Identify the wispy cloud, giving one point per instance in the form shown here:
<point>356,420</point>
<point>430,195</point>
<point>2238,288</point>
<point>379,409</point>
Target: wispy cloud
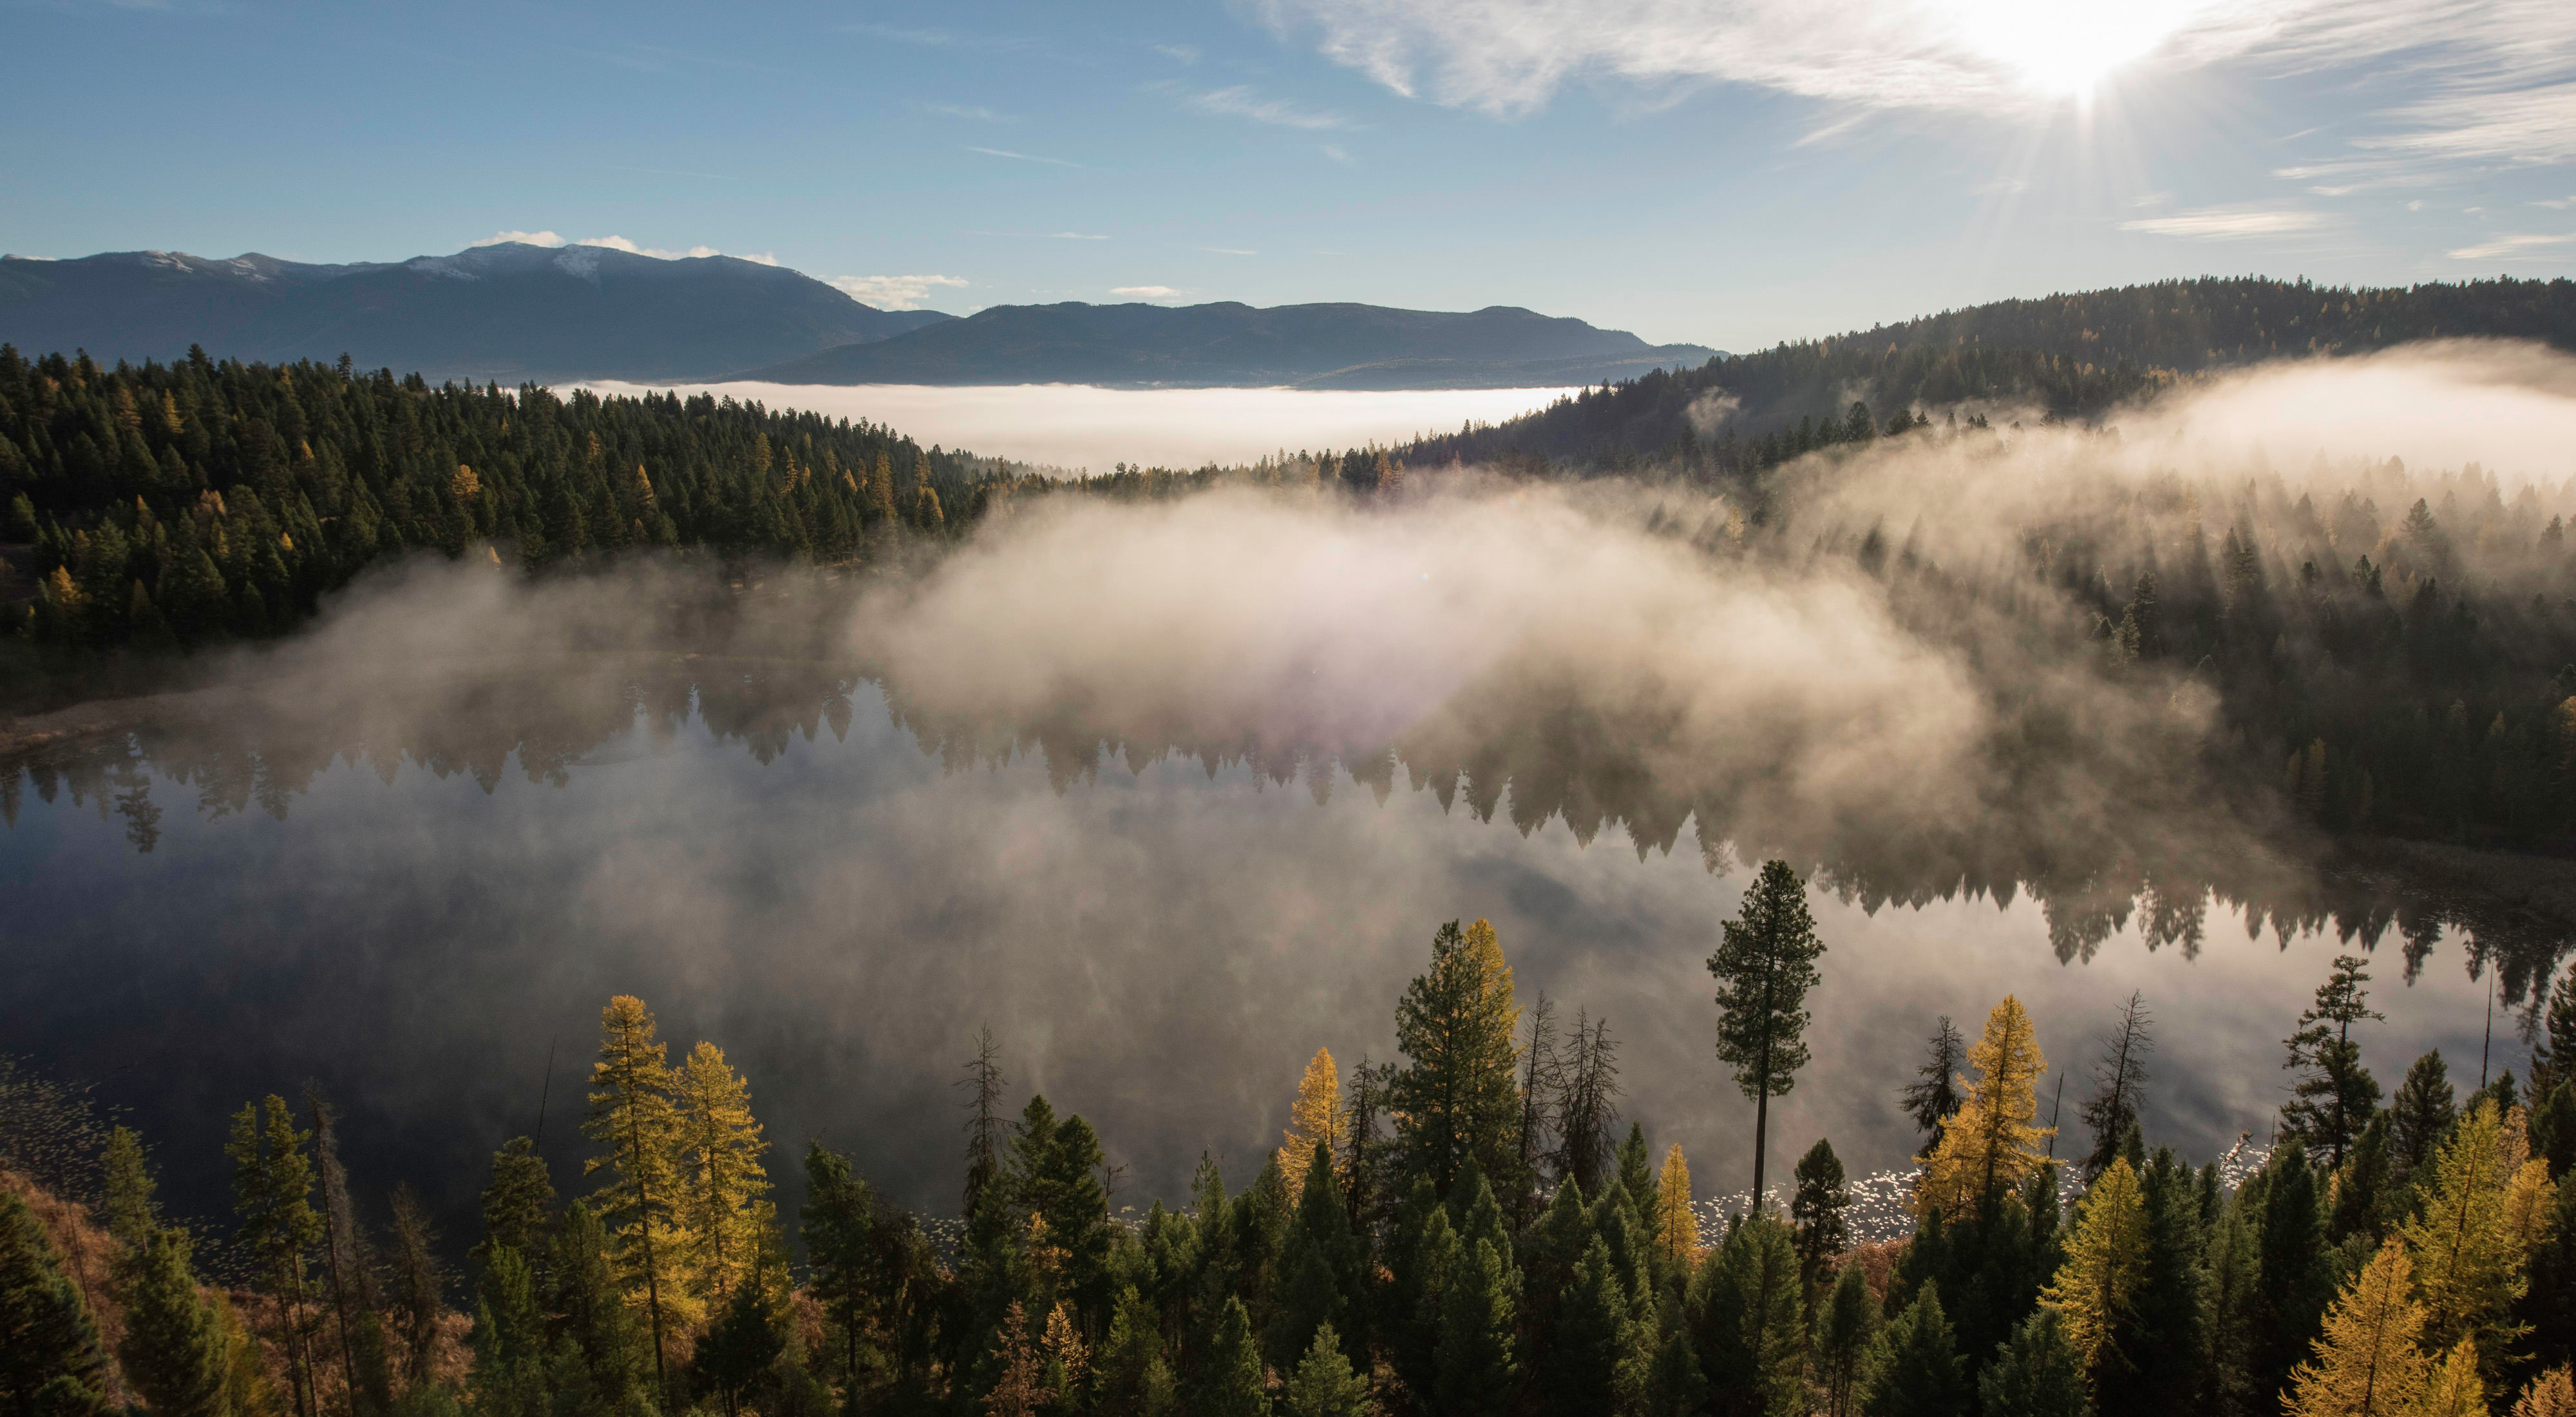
<point>965,110</point>
<point>1334,151</point>
<point>2510,247</point>
<point>1228,251</point>
<point>2556,204</point>
<point>893,292</point>
<point>1143,292</point>
<point>1075,236</point>
<point>2220,224</point>
<point>1023,157</point>
<point>1185,53</point>
<point>1244,101</point>
<point>523,238</point>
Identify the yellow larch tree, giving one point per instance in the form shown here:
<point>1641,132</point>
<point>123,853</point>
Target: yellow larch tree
<point>2453,1389</point>
<point>1994,1141</point>
<point>633,1121</point>
<point>724,1208</point>
<point>2368,1361</point>
<point>1676,1225</point>
<point>2106,1262</point>
<point>1316,1117</point>
<point>2552,1394</point>
<point>2469,1268</point>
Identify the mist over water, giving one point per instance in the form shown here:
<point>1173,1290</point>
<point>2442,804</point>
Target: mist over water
<point>1079,427</point>
<point>1172,794</point>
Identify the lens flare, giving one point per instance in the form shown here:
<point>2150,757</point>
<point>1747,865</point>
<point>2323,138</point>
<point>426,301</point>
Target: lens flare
<point>2064,49</point>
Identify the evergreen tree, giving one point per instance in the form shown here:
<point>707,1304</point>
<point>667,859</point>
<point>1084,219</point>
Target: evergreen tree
<point>984,1125</point>
<point>1586,1108</point>
<point>1422,1252</point>
<point>2335,1095</point>
<point>2420,1113</point>
<point>2039,1373</point>
<point>1457,1099</point>
<point>2294,1281</point>
<point>2119,1076</point>
<point>1931,1100</point>
<point>50,1359</point>
<point>838,1223</point>
<point>1230,1380</point>
<point>518,1203</point>
<point>2466,1261</point>
<point>1817,1211</point>
<point>2233,1276</point>
<point>272,1192</point>
<point>419,1284</point>
<point>748,1336</point>
<point>175,1354</point>
<point>1323,1385</point>
<point>633,1121</point>
<point>126,1192</point>
<point>1675,1230</point>
<point>1756,1368</point>
<point>605,1351</point>
<point>510,1351</point>
<point>1321,1279</point>
<point>1845,1330</point>
<point>1479,1310</point>
<point>1641,1190</point>
<point>1596,1356</point>
<point>1764,965</point>
<point>1915,1369</point>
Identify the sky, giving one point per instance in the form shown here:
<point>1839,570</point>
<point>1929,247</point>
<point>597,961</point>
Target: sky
<point>1725,172</point>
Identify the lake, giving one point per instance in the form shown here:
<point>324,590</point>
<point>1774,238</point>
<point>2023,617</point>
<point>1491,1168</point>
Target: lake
<point>416,893</point>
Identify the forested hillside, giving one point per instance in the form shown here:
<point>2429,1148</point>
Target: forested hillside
<point>1468,1229</point>
<point>189,501</point>
<point>2069,356</point>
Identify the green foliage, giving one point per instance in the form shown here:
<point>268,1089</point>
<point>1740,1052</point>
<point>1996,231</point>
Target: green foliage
<point>1230,1381</point>
<point>2038,1374</point>
<point>1321,1280</point>
<point>1914,1369</point>
<point>518,1203</point>
<point>1597,1350</point>
<point>1477,1366</point>
<point>1846,1329</point>
<point>2335,1095</point>
<point>50,1359</point>
<point>175,1354</point>
<point>1323,1383</point>
<point>1816,1209</point>
<point>1765,963</point>
<point>1456,1101</point>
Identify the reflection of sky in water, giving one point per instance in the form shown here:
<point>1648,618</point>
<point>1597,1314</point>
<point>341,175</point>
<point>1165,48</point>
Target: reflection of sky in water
<point>1160,952</point>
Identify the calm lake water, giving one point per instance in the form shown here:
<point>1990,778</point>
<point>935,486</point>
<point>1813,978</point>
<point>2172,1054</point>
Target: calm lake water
<point>415,909</point>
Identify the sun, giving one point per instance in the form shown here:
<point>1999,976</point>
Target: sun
<point>2063,48</point>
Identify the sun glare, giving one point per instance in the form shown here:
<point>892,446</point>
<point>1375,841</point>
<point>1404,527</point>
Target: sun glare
<point>2064,49</point>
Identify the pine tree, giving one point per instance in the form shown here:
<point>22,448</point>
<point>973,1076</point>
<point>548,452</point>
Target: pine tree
<point>838,1223</point>
<point>1230,1380</point>
<point>2293,1283</point>
<point>1321,1278</point>
<point>722,1208</point>
<point>175,1353</point>
<point>2369,1362</point>
<point>633,1120</point>
<point>2118,1077</point>
<point>509,1378</point>
<point>419,1282</point>
<point>1993,1142</point>
<point>1756,1369</point>
<point>49,1345</point>
<point>2106,1264</point>
<point>1817,1210</point>
<point>606,1352</point>
<point>2234,1269</point>
<point>1595,1359</point>
<point>126,1201</point>
<point>1915,1369</point>
<point>1323,1385</point>
<point>518,1204</point>
<point>272,1191</point>
<point>1479,1307</point>
<point>1764,965</point>
<point>1315,1119</point>
<point>2039,1373</point>
<point>748,1335</point>
<point>1586,1107</point>
<point>1457,1100</point>
<point>2335,1095</point>
<point>984,1125</point>
<point>1845,1331</point>
<point>2420,1113</point>
<point>1637,1184</point>
<point>348,1269</point>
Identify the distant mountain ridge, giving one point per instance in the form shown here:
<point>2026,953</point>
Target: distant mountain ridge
<point>1229,344</point>
<point>506,312</point>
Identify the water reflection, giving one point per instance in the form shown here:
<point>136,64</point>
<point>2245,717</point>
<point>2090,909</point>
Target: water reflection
<point>414,890</point>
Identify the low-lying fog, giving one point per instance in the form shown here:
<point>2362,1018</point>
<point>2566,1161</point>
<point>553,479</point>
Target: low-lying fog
<point>1077,427</point>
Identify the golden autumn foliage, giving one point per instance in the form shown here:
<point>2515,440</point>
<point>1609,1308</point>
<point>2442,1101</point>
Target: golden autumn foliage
<point>2369,1362</point>
<point>1994,1140</point>
<point>2552,1394</point>
<point>637,1128</point>
<point>722,1211</point>
<point>2454,1389</point>
<point>2468,1263</point>
<point>2106,1262</point>
<point>1317,1117</point>
<point>1676,1227</point>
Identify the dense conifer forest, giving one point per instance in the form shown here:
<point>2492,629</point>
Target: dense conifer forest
<point>1470,1227</point>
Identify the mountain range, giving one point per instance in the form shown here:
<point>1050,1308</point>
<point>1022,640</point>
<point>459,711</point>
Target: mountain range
<point>515,313</point>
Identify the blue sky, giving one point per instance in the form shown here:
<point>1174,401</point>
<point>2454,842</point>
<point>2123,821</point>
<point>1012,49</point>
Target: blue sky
<point>1730,172</point>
